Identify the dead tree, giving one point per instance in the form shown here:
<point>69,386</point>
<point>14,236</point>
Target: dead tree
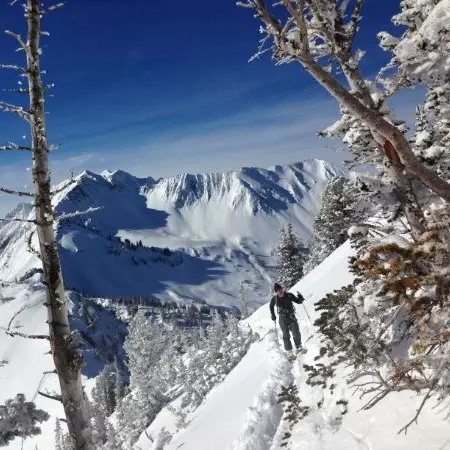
<point>66,353</point>
<point>308,31</point>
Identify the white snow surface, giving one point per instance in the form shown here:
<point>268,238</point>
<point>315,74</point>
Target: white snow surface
<point>28,359</point>
<point>242,413</point>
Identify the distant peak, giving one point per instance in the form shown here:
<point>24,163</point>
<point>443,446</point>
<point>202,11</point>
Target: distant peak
<point>252,189</point>
<point>120,177</point>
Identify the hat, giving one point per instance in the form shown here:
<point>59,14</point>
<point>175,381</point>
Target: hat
<point>277,287</point>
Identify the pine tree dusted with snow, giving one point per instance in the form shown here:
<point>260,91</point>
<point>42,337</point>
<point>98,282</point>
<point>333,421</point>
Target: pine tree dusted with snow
<point>145,346</point>
<point>63,441</point>
<point>399,300</point>
<point>19,418</point>
<point>292,255</point>
<point>104,391</point>
<point>336,216</point>
<point>433,129</point>
<point>166,362</point>
<point>420,54</point>
<point>206,364</point>
<point>103,403</point>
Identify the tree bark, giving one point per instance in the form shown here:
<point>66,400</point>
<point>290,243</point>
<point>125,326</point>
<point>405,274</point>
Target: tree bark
<point>380,126</point>
<point>67,357</point>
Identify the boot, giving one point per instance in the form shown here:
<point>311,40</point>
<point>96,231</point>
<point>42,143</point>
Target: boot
<point>300,350</point>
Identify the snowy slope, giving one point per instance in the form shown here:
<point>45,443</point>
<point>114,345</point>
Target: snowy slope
<point>27,359</point>
<point>243,414</point>
<point>221,230</point>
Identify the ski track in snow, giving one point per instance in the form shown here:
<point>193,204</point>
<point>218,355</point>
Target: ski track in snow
<point>264,416</point>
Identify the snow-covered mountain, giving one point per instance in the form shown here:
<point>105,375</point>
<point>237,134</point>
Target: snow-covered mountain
<point>203,237</point>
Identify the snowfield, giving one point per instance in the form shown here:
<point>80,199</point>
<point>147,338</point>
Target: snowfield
<point>28,359</point>
<point>242,413</point>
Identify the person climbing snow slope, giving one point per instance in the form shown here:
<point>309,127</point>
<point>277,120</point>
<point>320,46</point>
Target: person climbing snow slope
<point>284,300</point>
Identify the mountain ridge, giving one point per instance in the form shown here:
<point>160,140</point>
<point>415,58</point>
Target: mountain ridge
<point>220,231</point>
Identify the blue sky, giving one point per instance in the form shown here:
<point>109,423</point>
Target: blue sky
<point>158,88</point>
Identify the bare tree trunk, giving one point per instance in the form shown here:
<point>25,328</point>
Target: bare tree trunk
<point>66,355</point>
<point>380,126</point>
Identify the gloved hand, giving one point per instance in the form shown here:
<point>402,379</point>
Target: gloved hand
<point>273,317</point>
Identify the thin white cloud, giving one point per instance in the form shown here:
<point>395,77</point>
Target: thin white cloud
<point>281,134</point>
<point>284,133</point>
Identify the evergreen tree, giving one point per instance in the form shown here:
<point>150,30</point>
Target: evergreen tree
<point>120,387</point>
<point>166,362</point>
<point>433,129</point>
<point>336,216</point>
<point>103,392</point>
<point>19,418</point>
<point>421,52</point>
<point>292,255</point>
<point>112,443</point>
<point>63,441</point>
<point>145,346</point>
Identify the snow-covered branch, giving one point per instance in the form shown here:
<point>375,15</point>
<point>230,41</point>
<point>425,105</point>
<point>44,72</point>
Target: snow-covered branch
<point>63,187</point>
<point>19,193</point>
<point>290,45</point>
<point>18,220</point>
<point>53,396</point>
<point>13,67</point>
<point>354,23</point>
<point>14,146</point>
<point>23,91</point>
<point>18,110</point>
<point>11,333</point>
<point>18,38</point>
<point>78,213</point>
<point>419,410</point>
<point>27,336</point>
<point>52,8</point>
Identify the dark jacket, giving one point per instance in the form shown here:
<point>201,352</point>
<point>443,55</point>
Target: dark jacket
<point>284,304</point>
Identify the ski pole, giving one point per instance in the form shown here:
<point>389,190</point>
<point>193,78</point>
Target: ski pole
<point>304,307</point>
<point>306,311</point>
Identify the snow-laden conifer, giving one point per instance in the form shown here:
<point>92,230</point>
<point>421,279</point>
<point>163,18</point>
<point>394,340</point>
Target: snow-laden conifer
<point>292,255</point>
<point>336,215</point>
<point>19,418</point>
